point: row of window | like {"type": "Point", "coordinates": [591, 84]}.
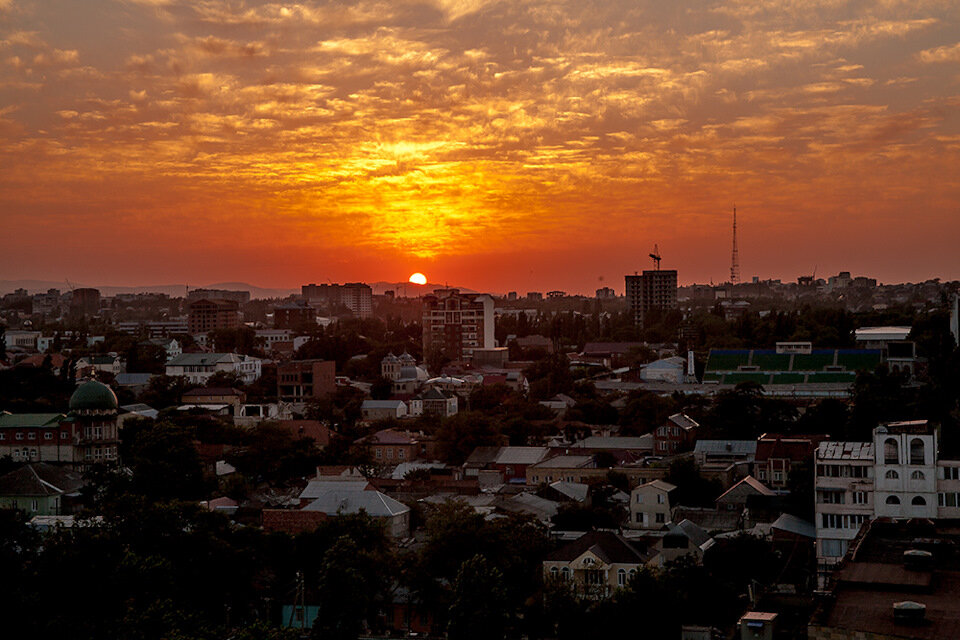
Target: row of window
{"type": "Point", "coordinates": [32, 435]}
{"type": "Point", "coordinates": [595, 577]}
{"type": "Point", "coordinates": [840, 497]}
{"type": "Point", "coordinates": [843, 471]}
{"type": "Point", "coordinates": [891, 451]}
{"type": "Point", "coordinates": [841, 521]}
{"type": "Point", "coordinates": [917, 501]}
{"type": "Point", "coordinates": [659, 518]}
{"type": "Point", "coordinates": [661, 498]}
{"type": "Point", "coordinates": [949, 499]}
{"type": "Point", "coordinates": [378, 453]}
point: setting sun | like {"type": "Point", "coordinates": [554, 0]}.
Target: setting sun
{"type": "Point", "coordinates": [418, 278]}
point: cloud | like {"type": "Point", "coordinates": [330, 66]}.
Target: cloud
{"type": "Point", "coordinates": [949, 53]}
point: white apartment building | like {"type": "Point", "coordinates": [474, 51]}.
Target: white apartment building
{"type": "Point", "coordinates": [896, 476]}
{"type": "Point", "coordinates": [199, 367]}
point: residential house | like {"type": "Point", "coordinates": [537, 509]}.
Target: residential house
{"type": "Point", "coordinates": [302, 380]}
{"type": "Point", "coordinates": [564, 467]}
{"type": "Point", "coordinates": [40, 489]}
{"type": "Point", "coordinates": [87, 366]}
{"type": "Point", "coordinates": [735, 498]}
{"type": "Point", "coordinates": [437, 402]}
{"type": "Point", "coordinates": [371, 410]}
{"type": "Point", "coordinates": [777, 455]}
{"type": "Point", "coordinates": [650, 505]}
{"type": "Point", "coordinates": [677, 435]}
{"type": "Point", "coordinates": [393, 446]}
{"type": "Point", "coordinates": [215, 396]}
{"type": "Point", "coordinates": [348, 501]}
{"type": "Point", "coordinates": [597, 563]}
{"type": "Point", "coordinates": [512, 462]}
{"type": "Point", "coordinates": [199, 367]}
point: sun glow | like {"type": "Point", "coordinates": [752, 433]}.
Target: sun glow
{"type": "Point", "coordinates": [418, 278]}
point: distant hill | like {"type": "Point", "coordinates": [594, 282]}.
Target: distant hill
{"type": "Point", "coordinates": [412, 290]}
{"type": "Point", "coordinates": [173, 290]}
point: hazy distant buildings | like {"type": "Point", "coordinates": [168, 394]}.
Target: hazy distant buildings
{"type": "Point", "coordinates": [207, 315]}
{"type": "Point", "coordinates": [294, 315]}
{"type": "Point", "coordinates": [355, 296]}
{"type": "Point", "coordinates": [85, 302]}
{"type": "Point", "coordinates": [653, 289]}
{"type": "Point", "coordinates": [240, 297]}
{"type": "Point", "coordinates": [456, 323]}
{"type": "Point", "coordinates": [606, 293]}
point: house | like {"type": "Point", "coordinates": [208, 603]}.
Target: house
{"type": "Point", "coordinates": [199, 367]}
{"type": "Point", "coordinates": [437, 402]}
{"type": "Point", "coordinates": [372, 410]}
{"type": "Point", "coordinates": [345, 501]}
{"type": "Point", "coordinates": [683, 538]}
{"type": "Point", "coordinates": [395, 446]}
{"type": "Point", "coordinates": [512, 462]}
{"type": "Point", "coordinates": [302, 380]}
{"type": "Point", "coordinates": [735, 498]}
{"type": "Point", "coordinates": [403, 373]}
{"type": "Point", "coordinates": [557, 468]}
{"type": "Point", "coordinates": [723, 453]}
{"type": "Point", "coordinates": [597, 563]}
{"type": "Point", "coordinates": [619, 446]}
{"type": "Point", "coordinates": [676, 436]}
{"type": "Point", "coordinates": [530, 504]}
{"type": "Point", "coordinates": [88, 365]}
{"type": "Point", "coordinates": [36, 437]}
{"type": "Point", "coordinates": [40, 489]}
{"type": "Point", "coordinates": [215, 395]}
{"type": "Point", "coordinates": [650, 505]}
{"type": "Point", "coordinates": [777, 455]}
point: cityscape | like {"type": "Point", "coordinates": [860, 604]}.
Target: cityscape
{"type": "Point", "coordinates": [479, 320]}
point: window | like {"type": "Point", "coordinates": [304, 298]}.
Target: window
{"type": "Point", "coordinates": [19, 435]}
{"type": "Point", "coordinates": [554, 571]}
{"type": "Point", "coordinates": [917, 475]}
{"type": "Point", "coordinates": [3, 436]}
{"type": "Point", "coordinates": [588, 561]}
{"type": "Point", "coordinates": [661, 518]}
{"type": "Point", "coordinates": [621, 577]}
{"type": "Point", "coordinates": [832, 548]}
{"type": "Point", "coordinates": [831, 497]}
{"type": "Point", "coordinates": [892, 475]}
{"type": "Point", "coordinates": [378, 453]}
{"type": "Point", "coordinates": [639, 517]}
{"type": "Point", "coordinates": [31, 436]}
{"type": "Point", "coordinates": [918, 501]}
{"type": "Point", "coordinates": [951, 499]}
{"type": "Point", "coordinates": [34, 505]}
{"type": "Point", "coordinates": [763, 474]}
{"type": "Point", "coordinates": [893, 500]}
{"type": "Point", "coordinates": [566, 573]}
{"type": "Point", "coordinates": [48, 436]}
{"type": "Point", "coordinates": [389, 453]}
{"type": "Point", "coordinates": [890, 452]}
{"type": "Point", "coordinates": [916, 451]}
{"type": "Point", "coordinates": [400, 454]}
{"type": "Point", "coordinates": [951, 473]}
{"type": "Point", "coordinates": [778, 476]}
{"type": "Point", "coordinates": [639, 498]}
{"type": "Point", "coordinates": [859, 497]}
{"type": "Point", "coordinates": [661, 499]}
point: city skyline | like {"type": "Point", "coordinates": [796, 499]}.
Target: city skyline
{"type": "Point", "coordinates": [499, 146]}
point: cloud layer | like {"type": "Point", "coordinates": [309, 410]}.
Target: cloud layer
{"type": "Point", "coordinates": [355, 139]}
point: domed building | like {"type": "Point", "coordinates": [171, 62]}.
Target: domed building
{"type": "Point", "coordinates": [93, 414]}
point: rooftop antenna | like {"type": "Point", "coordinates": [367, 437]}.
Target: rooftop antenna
{"type": "Point", "coordinates": [656, 257]}
{"type": "Point", "coordinates": [735, 254]}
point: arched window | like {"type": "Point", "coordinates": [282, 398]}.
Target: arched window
{"type": "Point", "coordinates": [916, 451]}
{"type": "Point", "coordinates": [918, 501]}
{"type": "Point", "coordinates": [633, 572]}
{"type": "Point", "coordinates": [554, 571]}
{"type": "Point", "coordinates": [917, 475]}
{"type": "Point", "coordinates": [621, 577]}
{"type": "Point", "coordinates": [893, 500]}
{"type": "Point", "coordinates": [566, 573]}
{"type": "Point", "coordinates": [892, 475]}
{"type": "Point", "coordinates": [890, 453]}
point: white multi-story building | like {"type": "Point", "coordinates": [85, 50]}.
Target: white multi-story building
{"type": "Point", "coordinates": [896, 476]}
{"type": "Point", "coordinates": [199, 367]}
{"type": "Point", "coordinates": [457, 323]}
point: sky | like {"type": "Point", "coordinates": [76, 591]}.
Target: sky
{"type": "Point", "coordinates": [498, 145]}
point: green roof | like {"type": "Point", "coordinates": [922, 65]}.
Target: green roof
{"type": "Point", "coordinates": [93, 395]}
{"type": "Point", "coordinates": [29, 419]}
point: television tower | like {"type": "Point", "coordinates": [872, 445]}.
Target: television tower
{"type": "Point", "coordinates": [735, 255]}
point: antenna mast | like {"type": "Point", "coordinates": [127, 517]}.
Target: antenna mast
{"type": "Point", "coordinates": [735, 255]}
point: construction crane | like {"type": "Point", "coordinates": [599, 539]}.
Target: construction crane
{"type": "Point", "coordinates": [656, 257]}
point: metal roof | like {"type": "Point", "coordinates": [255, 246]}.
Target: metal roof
{"type": "Point", "coordinates": [832, 450]}
{"type": "Point", "coordinates": [726, 446]}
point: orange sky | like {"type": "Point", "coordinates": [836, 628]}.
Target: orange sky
{"type": "Point", "coordinates": [522, 144]}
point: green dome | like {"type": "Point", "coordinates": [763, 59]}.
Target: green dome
{"type": "Point", "coordinates": [93, 395]}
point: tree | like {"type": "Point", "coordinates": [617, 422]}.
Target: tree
{"type": "Point", "coordinates": [225, 379]}
{"type": "Point", "coordinates": [164, 462]}
{"type": "Point", "coordinates": [693, 490]}
{"type": "Point", "coordinates": [381, 389]}
{"type": "Point", "coordinates": [460, 434]}
{"type": "Point", "coordinates": [479, 606]}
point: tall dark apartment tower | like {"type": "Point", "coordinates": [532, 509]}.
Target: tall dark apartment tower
{"type": "Point", "coordinates": [653, 289]}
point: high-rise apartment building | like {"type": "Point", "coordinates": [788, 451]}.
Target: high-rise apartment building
{"type": "Point", "coordinates": [457, 323]}
{"type": "Point", "coordinates": [355, 296]}
{"type": "Point", "coordinates": [654, 289]}
{"type": "Point", "coordinates": [209, 315]}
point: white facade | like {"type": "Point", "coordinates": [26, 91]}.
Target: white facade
{"type": "Point", "coordinates": [895, 476]}
{"type": "Point", "coordinates": [21, 339]}
{"type": "Point", "coordinates": [199, 367]}
{"type": "Point", "coordinates": [650, 505]}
